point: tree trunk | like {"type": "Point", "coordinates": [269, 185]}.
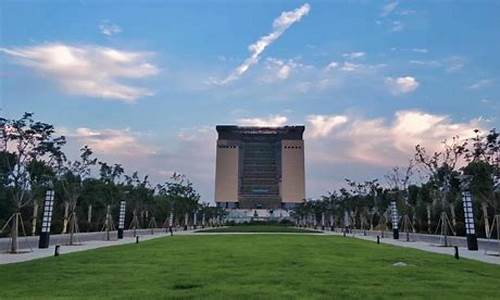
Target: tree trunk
{"type": "Point", "coordinates": [414, 227]}
{"type": "Point", "coordinates": [108, 221]}
{"type": "Point", "coordinates": [65, 222]}
{"type": "Point", "coordinates": [89, 214]}
{"type": "Point", "coordinates": [429, 222]}
{"type": "Point", "coordinates": [453, 218]}
{"type": "Point", "coordinates": [484, 207]}
{"type": "Point", "coordinates": [14, 233]}
{"type": "Point", "coordinates": [72, 227]}
{"type": "Point", "coordinates": [35, 217]}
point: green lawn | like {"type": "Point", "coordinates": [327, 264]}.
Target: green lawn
{"type": "Point", "coordinates": [258, 228]}
{"type": "Point", "coordinates": [250, 266]}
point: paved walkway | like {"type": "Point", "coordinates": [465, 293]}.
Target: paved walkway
{"type": "Point", "coordinates": [36, 253]}
{"type": "Point", "coordinates": [480, 255]}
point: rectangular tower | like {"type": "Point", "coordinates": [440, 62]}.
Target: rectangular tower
{"type": "Point", "coordinates": [259, 167]}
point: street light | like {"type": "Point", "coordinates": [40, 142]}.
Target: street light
{"type": "Point", "coordinates": [121, 220]}
{"type": "Point", "coordinates": [395, 220]}
{"type": "Point", "coordinates": [470, 230]}
{"type": "Point", "coordinates": [44, 240]}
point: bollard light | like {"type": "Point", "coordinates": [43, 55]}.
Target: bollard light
{"type": "Point", "coordinates": [44, 240]}
{"type": "Point", "coordinates": [121, 220]}
{"type": "Point", "coordinates": [56, 250]}
{"type": "Point", "coordinates": [456, 252]}
{"type": "Point", "coordinates": [395, 220]}
{"type": "Point", "coordinates": [137, 239]}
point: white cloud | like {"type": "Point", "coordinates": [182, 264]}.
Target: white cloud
{"type": "Point", "coordinates": [88, 70]}
{"type": "Point", "coordinates": [331, 66]}
{"type": "Point", "coordinates": [402, 85]}
{"type": "Point", "coordinates": [352, 67]}
{"type": "Point", "coordinates": [271, 121]}
{"type": "Point", "coordinates": [321, 125]}
{"type": "Point", "coordinates": [109, 29]}
{"type": "Point", "coordinates": [420, 50]}
{"type": "Point", "coordinates": [397, 26]}
{"type": "Point", "coordinates": [121, 142]}
{"type": "Point", "coordinates": [279, 70]}
{"type": "Point", "coordinates": [450, 64]}
{"type": "Point", "coordinates": [427, 63]}
{"type": "Point", "coordinates": [481, 84]}
{"type": "Point", "coordinates": [280, 25]}
{"type": "Point", "coordinates": [380, 143]}
{"type": "Point", "coordinates": [389, 8]}
{"type": "Point", "coordinates": [354, 55]}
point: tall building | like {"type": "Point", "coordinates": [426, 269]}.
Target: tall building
{"type": "Point", "coordinates": [259, 167]}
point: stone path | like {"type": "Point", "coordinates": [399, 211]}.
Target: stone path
{"type": "Point", "coordinates": [479, 255]}
{"type": "Point", "coordinates": [36, 253]}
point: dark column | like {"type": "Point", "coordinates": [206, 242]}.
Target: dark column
{"type": "Point", "coordinates": [44, 240]}
{"type": "Point", "coordinates": [395, 220]}
{"type": "Point", "coordinates": [121, 220]}
{"type": "Point", "coordinates": [470, 229]}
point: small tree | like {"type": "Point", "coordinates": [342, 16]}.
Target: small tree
{"type": "Point", "coordinates": [22, 142]}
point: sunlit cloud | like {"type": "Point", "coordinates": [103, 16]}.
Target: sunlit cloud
{"type": "Point", "coordinates": [90, 70]}
{"type": "Point", "coordinates": [402, 85]}
{"type": "Point", "coordinates": [271, 121]}
{"type": "Point", "coordinates": [321, 125]}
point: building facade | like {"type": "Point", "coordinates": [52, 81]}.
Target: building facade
{"type": "Point", "coordinates": [259, 167]}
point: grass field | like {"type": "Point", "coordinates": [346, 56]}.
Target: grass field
{"type": "Point", "coordinates": [250, 266]}
{"type": "Point", "coordinates": [258, 228]}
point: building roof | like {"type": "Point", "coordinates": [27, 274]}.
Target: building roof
{"type": "Point", "coordinates": [234, 132]}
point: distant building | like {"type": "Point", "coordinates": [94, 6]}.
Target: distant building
{"type": "Point", "coordinates": [259, 167]}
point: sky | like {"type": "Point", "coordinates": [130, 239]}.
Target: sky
{"type": "Point", "coordinates": [144, 83]}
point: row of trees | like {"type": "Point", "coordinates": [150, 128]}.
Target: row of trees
{"type": "Point", "coordinates": [427, 191]}
{"type": "Point", "coordinates": [32, 161]}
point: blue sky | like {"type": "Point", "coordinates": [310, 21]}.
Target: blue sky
{"type": "Point", "coordinates": [145, 82]}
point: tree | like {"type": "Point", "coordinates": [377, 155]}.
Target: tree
{"type": "Point", "coordinates": [71, 177]}
{"type": "Point", "coordinates": [22, 142]}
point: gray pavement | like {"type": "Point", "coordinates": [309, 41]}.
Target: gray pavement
{"type": "Point", "coordinates": [430, 243]}
{"type": "Point", "coordinates": [31, 242]}
{"type": "Point", "coordinates": [86, 241]}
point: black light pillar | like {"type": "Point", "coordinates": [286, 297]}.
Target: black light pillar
{"type": "Point", "coordinates": [121, 220]}
{"type": "Point", "coordinates": [44, 240]}
{"type": "Point", "coordinates": [195, 215]}
{"type": "Point", "coordinates": [395, 220]}
{"type": "Point", "coordinates": [470, 230]}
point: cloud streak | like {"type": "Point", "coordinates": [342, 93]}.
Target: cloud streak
{"type": "Point", "coordinates": [90, 70]}
{"type": "Point", "coordinates": [271, 121]}
{"type": "Point", "coordinates": [280, 25]}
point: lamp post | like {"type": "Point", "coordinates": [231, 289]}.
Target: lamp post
{"type": "Point", "coordinates": [322, 221]}
{"type": "Point", "coordinates": [121, 220]}
{"type": "Point", "coordinates": [395, 220]}
{"type": "Point", "coordinates": [470, 229]}
{"type": "Point", "coordinates": [44, 240]}
{"type": "Point", "coordinates": [194, 220]}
